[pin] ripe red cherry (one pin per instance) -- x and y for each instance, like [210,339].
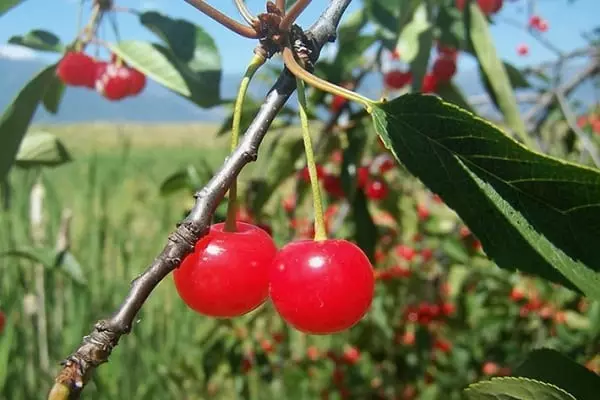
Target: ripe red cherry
[351,355]
[333,185]
[376,189]
[487,6]
[337,103]
[76,69]
[447,51]
[430,82]
[305,176]
[490,368]
[444,69]
[227,275]
[137,82]
[2,321]
[114,82]
[362,176]
[522,49]
[397,79]
[321,287]
[405,252]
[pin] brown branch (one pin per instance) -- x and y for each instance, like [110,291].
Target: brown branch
[224,20]
[280,4]
[98,345]
[292,14]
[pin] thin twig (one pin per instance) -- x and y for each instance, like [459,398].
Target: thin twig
[224,20]
[97,347]
[281,6]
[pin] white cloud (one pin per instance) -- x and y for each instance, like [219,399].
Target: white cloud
[150,4]
[13,52]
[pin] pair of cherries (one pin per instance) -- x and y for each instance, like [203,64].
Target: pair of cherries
[318,287]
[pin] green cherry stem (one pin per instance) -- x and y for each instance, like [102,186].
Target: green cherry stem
[315,81]
[256,62]
[320,233]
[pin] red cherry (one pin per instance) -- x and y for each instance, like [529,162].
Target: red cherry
[582,121]
[444,69]
[595,125]
[422,211]
[397,79]
[376,189]
[490,368]
[333,185]
[426,254]
[227,275]
[321,287]
[442,345]
[395,55]
[362,176]
[137,82]
[487,6]
[430,83]
[447,51]
[266,345]
[516,294]
[2,321]
[405,252]
[409,338]
[337,103]
[76,69]
[351,355]
[522,49]
[289,204]
[387,164]
[313,353]
[305,177]
[400,271]
[448,309]
[114,82]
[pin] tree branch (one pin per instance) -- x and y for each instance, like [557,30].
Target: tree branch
[96,348]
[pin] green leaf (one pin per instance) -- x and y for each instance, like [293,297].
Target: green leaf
[54,95]
[365,230]
[384,14]
[6,5]
[51,259]
[552,367]
[409,40]
[198,59]
[530,211]
[515,389]
[352,158]
[41,149]
[493,68]
[17,117]
[452,94]
[188,178]
[39,40]
[6,343]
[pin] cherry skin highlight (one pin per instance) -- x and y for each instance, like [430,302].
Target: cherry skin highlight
[321,287]
[227,275]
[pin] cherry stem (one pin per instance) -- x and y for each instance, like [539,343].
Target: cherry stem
[292,14]
[244,12]
[223,19]
[87,33]
[256,62]
[281,6]
[315,81]
[320,233]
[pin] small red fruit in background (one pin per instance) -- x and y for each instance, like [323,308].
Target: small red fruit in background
[305,176]
[490,368]
[395,55]
[448,309]
[362,176]
[351,355]
[2,321]
[422,211]
[406,252]
[76,69]
[321,287]
[447,51]
[487,6]
[266,345]
[430,83]
[376,189]
[227,275]
[333,185]
[442,345]
[387,164]
[444,69]
[516,294]
[397,79]
[426,254]
[313,353]
[522,49]
[337,103]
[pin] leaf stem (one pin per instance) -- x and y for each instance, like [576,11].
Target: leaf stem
[313,80]
[256,62]
[320,233]
[293,13]
[223,19]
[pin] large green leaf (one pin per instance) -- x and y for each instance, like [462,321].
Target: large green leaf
[6,5]
[516,389]
[39,40]
[494,69]
[17,117]
[41,149]
[552,367]
[54,95]
[52,259]
[530,211]
[197,55]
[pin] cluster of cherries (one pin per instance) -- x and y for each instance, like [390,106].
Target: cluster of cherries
[589,121]
[318,287]
[488,7]
[114,80]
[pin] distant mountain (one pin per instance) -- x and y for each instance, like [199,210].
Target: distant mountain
[157,104]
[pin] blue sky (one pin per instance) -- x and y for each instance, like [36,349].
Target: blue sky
[567,22]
